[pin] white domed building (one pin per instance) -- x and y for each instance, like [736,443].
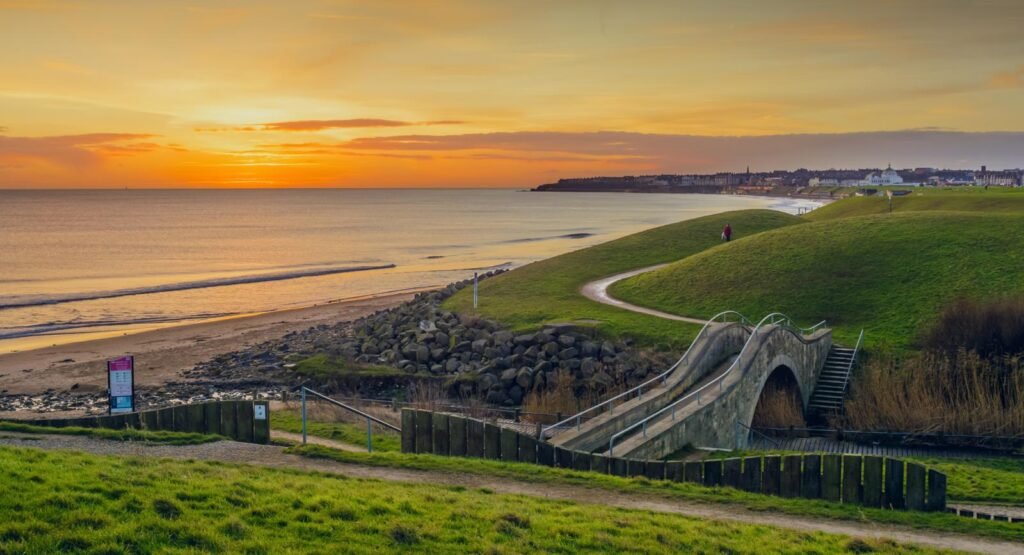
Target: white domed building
[887,177]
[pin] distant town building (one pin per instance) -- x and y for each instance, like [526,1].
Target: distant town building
[1008,178]
[888,176]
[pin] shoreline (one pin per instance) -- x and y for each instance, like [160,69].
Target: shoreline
[164,354]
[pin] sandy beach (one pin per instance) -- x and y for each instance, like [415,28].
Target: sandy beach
[162,355]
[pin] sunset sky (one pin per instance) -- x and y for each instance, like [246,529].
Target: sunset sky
[513,94]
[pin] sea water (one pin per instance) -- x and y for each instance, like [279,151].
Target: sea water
[75,264]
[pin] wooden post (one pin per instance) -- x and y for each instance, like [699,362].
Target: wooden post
[832,478]
[619,467]
[492,441]
[674,471]
[196,418]
[692,472]
[408,431]
[474,438]
[545,453]
[180,418]
[936,491]
[509,445]
[424,432]
[789,482]
[457,436]
[439,433]
[212,417]
[599,463]
[771,477]
[894,484]
[244,415]
[581,460]
[713,473]
[731,470]
[852,479]
[750,480]
[872,481]
[915,487]
[635,468]
[149,420]
[261,428]
[563,458]
[228,419]
[810,483]
[655,470]
[527,449]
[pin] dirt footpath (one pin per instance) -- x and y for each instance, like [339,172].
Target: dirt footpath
[273,456]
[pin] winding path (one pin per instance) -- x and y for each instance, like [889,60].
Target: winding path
[274,457]
[598,291]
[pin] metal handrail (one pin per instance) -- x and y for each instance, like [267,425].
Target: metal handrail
[853,358]
[774,318]
[663,377]
[369,418]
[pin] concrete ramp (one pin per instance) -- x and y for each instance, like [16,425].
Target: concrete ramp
[717,342]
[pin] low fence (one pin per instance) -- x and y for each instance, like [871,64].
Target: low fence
[870,481]
[247,421]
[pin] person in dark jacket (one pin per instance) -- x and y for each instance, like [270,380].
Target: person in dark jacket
[727,233]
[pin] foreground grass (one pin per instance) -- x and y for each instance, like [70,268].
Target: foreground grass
[148,436]
[548,291]
[290,420]
[940,522]
[69,502]
[963,199]
[890,274]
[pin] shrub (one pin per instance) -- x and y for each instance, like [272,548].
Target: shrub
[992,328]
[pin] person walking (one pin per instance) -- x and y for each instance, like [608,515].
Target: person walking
[727,233]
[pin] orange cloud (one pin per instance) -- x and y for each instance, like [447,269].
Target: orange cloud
[70,150]
[319,125]
[1008,79]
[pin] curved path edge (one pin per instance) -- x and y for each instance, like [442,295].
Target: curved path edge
[597,291]
[274,457]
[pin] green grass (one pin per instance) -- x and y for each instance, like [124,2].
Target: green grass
[889,274]
[326,366]
[942,522]
[959,200]
[548,291]
[353,434]
[148,436]
[77,503]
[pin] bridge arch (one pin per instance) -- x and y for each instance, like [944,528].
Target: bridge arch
[780,400]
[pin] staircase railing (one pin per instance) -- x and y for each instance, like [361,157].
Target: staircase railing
[773,319]
[853,359]
[369,418]
[662,378]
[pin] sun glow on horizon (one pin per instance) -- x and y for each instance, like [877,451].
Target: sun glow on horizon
[473,94]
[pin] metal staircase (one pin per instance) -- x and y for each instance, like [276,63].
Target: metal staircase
[834,379]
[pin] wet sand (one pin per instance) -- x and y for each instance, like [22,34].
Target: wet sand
[162,354]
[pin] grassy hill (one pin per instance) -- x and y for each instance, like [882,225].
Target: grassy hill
[887,273]
[960,200]
[548,290]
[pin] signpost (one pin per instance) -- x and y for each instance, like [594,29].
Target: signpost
[476,290]
[121,384]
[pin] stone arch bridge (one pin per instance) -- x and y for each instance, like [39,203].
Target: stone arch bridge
[708,398]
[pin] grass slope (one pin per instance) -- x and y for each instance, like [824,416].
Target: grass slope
[76,503]
[288,420]
[548,290]
[889,274]
[148,436]
[962,200]
[681,491]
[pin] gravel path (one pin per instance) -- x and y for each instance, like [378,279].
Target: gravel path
[598,291]
[273,456]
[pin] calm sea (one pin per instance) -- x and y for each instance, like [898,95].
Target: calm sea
[78,264]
